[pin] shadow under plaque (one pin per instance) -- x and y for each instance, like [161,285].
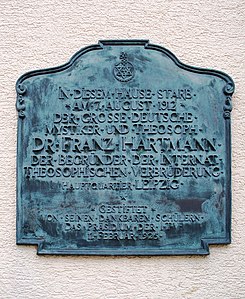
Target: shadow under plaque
[124,150]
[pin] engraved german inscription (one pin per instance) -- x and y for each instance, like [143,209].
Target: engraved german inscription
[124,151]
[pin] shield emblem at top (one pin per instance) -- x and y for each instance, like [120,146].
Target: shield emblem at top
[124,70]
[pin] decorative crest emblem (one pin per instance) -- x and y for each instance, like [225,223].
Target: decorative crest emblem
[124,70]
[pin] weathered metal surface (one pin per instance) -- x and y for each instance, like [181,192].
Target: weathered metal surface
[124,150]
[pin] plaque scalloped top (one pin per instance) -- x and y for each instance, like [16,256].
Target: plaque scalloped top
[124,150]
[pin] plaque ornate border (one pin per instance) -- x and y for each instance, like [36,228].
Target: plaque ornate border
[228,90]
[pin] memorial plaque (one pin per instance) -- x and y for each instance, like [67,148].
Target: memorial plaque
[124,150]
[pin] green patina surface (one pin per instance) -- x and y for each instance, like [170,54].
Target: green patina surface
[124,150]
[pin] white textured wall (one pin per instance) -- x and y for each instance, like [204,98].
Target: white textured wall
[43,33]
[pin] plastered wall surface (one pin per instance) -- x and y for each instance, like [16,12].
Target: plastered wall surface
[43,33]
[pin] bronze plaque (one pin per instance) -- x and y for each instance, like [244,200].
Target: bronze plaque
[124,150]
